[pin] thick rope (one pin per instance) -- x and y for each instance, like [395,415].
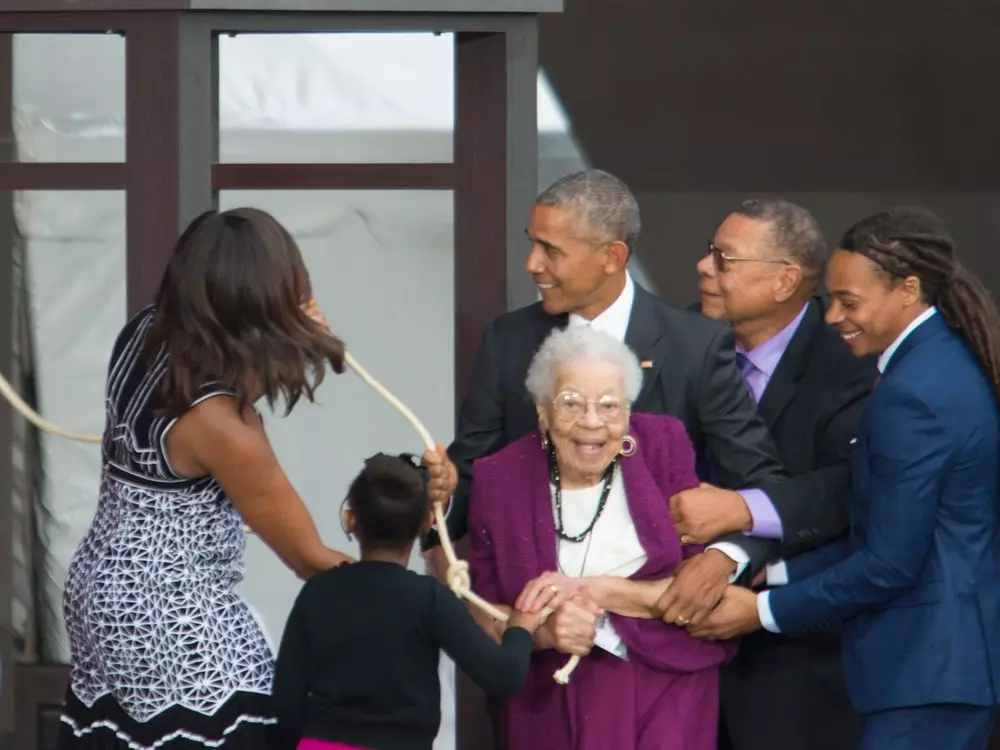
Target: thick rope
[458,570]
[457,575]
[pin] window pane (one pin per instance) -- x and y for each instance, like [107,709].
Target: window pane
[69,97]
[382,269]
[74,282]
[348,98]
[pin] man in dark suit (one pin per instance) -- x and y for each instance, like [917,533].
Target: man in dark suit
[761,274]
[915,584]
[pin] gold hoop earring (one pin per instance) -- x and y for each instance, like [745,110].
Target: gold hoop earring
[628,446]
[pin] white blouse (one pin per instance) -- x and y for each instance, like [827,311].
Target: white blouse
[611,549]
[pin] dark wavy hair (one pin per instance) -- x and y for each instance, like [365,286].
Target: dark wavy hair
[389,500]
[908,241]
[230,311]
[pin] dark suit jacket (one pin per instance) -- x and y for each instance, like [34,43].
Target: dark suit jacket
[918,589]
[812,406]
[693,377]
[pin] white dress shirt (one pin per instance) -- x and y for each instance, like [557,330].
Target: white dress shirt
[612,548]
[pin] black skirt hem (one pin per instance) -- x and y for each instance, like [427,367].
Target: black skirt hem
[244,722]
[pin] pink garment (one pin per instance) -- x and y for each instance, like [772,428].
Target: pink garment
[307,743]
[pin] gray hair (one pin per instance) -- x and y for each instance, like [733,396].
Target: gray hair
[580,344]
[794,234]
[600,200]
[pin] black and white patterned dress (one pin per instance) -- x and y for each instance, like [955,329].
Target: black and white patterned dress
[164,653]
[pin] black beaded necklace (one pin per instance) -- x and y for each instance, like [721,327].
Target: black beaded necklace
[554,477]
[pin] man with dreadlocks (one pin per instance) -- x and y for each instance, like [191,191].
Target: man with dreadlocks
[917,585]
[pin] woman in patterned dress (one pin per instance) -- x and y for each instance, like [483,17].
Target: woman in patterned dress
[165,654]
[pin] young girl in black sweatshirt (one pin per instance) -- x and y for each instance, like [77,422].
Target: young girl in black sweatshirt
[358,663]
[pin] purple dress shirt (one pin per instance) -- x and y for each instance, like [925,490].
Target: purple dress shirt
[757,366]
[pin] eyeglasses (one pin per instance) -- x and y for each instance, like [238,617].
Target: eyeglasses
[721,258]
[570,406]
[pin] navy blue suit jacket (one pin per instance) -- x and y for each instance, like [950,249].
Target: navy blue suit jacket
[917,583]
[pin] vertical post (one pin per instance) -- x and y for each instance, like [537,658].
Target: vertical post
[496,180]
[521,62]
[496,177]
[171,139]
[7,154]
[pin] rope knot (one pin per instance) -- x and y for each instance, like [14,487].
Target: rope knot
[458,577]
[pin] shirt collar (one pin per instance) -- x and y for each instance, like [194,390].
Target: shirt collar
[614,320]
[884,357]
[766,356]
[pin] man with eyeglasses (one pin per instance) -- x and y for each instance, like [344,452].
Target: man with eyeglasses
[761,275]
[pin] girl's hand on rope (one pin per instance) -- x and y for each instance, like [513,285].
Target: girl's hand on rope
[443,476]
[550,590]
[527,620]
[572,628]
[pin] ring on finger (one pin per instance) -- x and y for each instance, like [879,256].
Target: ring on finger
[685,539]
[554,588]
[682,621]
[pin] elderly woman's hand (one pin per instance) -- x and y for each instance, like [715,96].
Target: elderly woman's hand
[572,628]
[443,477]
[550,589]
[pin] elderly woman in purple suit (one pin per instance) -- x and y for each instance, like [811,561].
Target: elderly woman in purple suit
[577,515]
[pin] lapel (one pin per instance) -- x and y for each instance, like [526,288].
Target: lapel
[543,325]
[643,338]
[792,365]
[543,517]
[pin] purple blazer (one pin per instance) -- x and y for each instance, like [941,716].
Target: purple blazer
[513,540]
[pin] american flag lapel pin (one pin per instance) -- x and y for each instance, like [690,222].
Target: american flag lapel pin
[646,364]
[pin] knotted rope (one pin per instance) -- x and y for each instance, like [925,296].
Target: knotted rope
[457,575]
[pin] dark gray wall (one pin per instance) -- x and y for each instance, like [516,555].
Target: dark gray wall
[845,107]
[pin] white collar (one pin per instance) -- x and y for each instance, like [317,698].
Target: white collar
[884,357]
[614,320]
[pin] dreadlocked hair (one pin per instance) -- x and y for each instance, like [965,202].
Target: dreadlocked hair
[906,241]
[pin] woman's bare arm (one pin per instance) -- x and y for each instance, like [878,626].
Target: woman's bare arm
[614,594]
[215,438]
[628,598]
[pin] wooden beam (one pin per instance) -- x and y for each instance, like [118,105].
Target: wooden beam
[171,139]
[7,155]
[90,6]
[383,6]
[333,176]
[287,6]
[62,176]
[496,163]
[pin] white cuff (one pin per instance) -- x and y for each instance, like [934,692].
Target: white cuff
[735,553]
[764,612]
[777,573]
